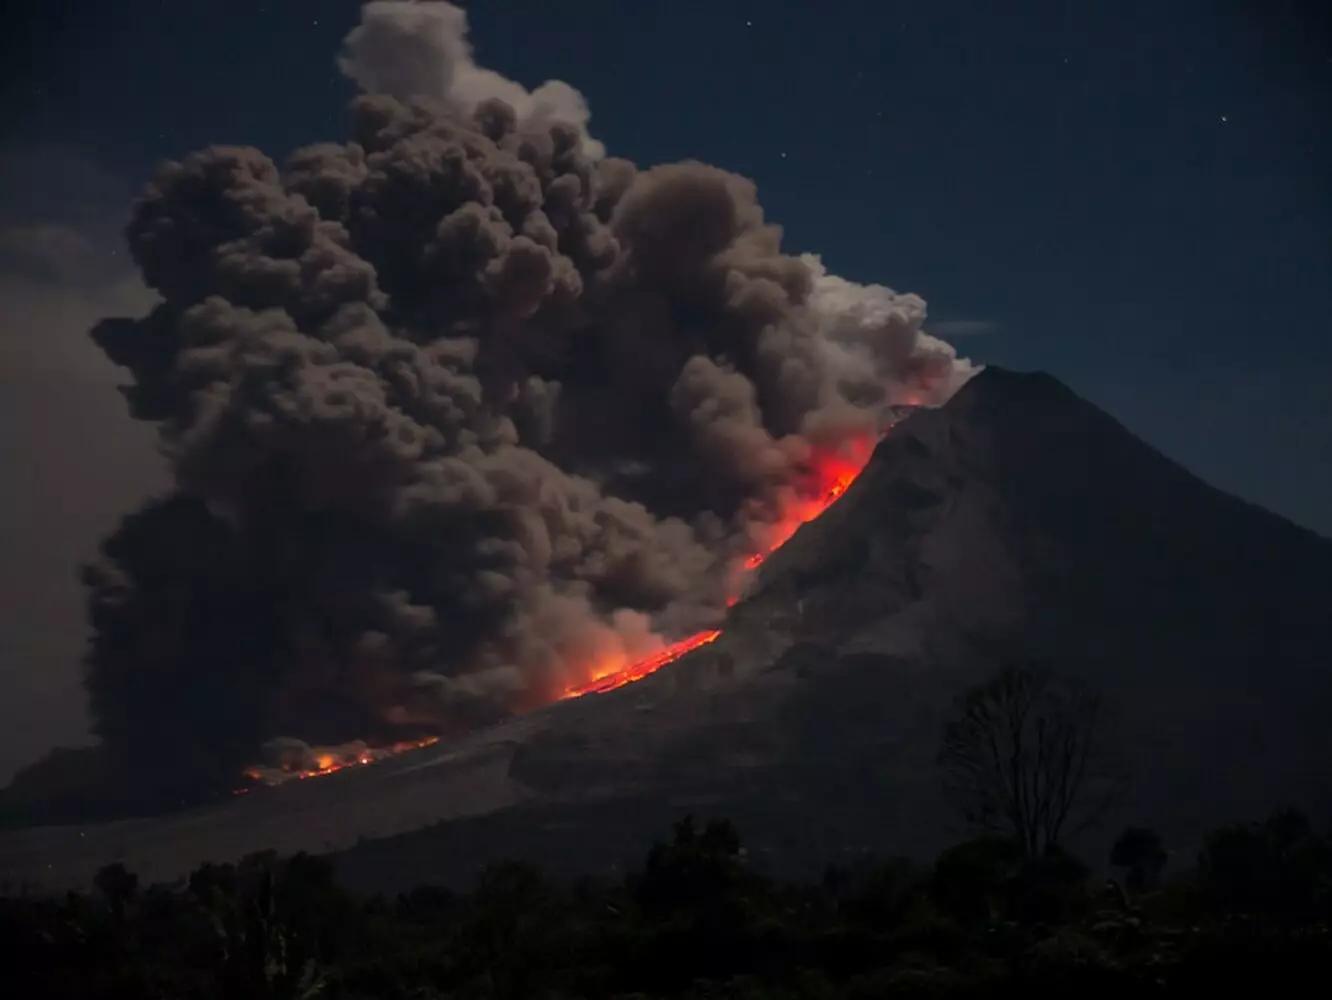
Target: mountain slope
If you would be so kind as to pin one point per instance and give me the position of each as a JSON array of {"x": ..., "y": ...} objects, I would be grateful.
[{"x": 1018, "y": 520}]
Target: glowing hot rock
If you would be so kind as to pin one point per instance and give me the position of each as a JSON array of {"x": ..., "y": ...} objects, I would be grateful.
[
  {"x": 322, "y": 761},
  {"x": 619, "y": 676},
  {"x": 830, "y": 474}
]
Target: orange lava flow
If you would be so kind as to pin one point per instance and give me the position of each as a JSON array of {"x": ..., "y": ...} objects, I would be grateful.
[
  {"x": 329, "y": 761},
  {"x": 638, "y": 669},
  {"x": 829, "y": 476}
]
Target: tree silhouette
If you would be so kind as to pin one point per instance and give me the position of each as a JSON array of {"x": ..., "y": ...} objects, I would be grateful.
[
  {"x": 1026, "y": 756},
  {"x": 695, "y": 921},
  {"x": 1140, "y": 852},
  {"x": 260, "y": 952},
  {"x": 1280, "y": 866},
  {"x": 117, "y": 885},
  {"x": 511, "y": 934}
]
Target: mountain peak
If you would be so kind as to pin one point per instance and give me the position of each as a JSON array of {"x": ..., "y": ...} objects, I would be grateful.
[{"x": 1018, "y": 521}]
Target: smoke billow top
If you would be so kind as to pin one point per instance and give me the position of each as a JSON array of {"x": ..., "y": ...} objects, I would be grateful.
[{"x": 455, "y": 409}]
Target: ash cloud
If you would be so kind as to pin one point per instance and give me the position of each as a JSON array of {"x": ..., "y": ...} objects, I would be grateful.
[
  {"x": 458, "y": 411},
  {"x": 411, "y": 50}
]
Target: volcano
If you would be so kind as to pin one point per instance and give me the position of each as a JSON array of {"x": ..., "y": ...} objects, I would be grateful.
[{"x": 1017, "y": 520}]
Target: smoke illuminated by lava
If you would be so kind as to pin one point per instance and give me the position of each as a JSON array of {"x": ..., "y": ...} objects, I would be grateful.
[
  {"x": 830, "y": 476},
  {"x": 831, "y": 473},
  {"x": 464, "y": 416},
  {"x": 294, "y": 761},
  {"x": 609, "y": 676}
]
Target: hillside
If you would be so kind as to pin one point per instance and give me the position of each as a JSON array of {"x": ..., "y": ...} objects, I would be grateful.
[{"x": 1018, "y": 520}]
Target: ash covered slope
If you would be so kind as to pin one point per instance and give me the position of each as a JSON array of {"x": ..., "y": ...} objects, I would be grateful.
[
  {"x": 1016, "y": 519},
  {"x": 1023, "y": 520},
  {"x": 1020, "y": 505}
]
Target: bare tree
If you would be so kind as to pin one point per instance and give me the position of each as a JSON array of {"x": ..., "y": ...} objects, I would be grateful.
[{"x": 1027, "y": 756}]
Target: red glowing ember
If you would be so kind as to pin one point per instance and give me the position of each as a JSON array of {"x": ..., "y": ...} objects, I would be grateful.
[
  {"x": 828, "y": 477},
  {"x": 327, "y": 761},
  {"x": 830, "y": 474},
  {"x": 620, "y": 675}
]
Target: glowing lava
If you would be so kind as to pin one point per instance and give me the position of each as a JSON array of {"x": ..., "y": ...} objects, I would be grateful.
[
  {"x": 327, "y": 761},
  {"x": 619, "y": 676},
  {"x": 829, "y": 476}
]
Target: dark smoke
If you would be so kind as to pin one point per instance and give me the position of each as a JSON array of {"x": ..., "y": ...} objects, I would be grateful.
[{"x": 455, "y": 409}]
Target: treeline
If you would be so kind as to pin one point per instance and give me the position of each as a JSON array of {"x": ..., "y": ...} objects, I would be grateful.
[{"x": 696, "y": 919}]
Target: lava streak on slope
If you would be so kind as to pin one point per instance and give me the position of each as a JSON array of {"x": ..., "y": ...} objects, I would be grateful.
[
  {"x": 831, "y": 473},
  {"x": 618, "y": 674},
  {"x": 326, "y": 760}
]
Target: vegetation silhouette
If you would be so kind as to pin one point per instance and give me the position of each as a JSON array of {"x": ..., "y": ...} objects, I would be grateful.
[
  {"x": 1141, "y": 854},
  {"x": 1029, "y": 756},
  {"x": 1010, "y": 912},
  {"x": 699, "y": 918}
]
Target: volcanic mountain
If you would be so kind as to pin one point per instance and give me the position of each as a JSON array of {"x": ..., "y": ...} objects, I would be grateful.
[{"x": 1018, "y": 520}]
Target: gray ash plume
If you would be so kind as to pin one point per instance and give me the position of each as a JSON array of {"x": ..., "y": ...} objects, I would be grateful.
[{"x": 457, "y": 409}]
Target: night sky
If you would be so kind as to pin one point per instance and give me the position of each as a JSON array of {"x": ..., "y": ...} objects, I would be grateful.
[{"x": 1132, "y": 195}]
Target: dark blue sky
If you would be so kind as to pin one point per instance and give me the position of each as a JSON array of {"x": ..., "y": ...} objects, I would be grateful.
[
  {"x": 1136, "y": 193},
  {"x": 1132, "y": 194}
]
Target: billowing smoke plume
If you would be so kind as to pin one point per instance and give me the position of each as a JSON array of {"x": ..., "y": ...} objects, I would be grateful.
[{"x": 457, "y": 410}]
